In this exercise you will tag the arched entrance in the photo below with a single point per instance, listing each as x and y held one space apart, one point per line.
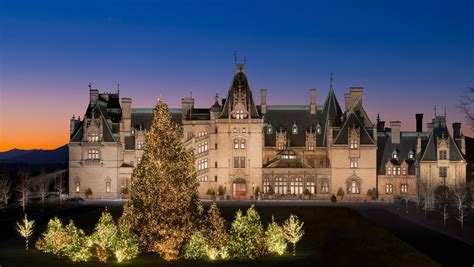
239 188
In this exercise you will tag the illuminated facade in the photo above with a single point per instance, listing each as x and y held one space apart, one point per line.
239 146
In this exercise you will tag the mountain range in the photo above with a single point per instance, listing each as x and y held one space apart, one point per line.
36 156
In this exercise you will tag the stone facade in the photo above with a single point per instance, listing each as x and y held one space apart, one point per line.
243 147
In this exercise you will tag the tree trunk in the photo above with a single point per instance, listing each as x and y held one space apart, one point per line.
294 249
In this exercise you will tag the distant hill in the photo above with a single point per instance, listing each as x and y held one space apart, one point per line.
36 156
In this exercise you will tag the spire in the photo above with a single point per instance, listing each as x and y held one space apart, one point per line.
331 83
216 98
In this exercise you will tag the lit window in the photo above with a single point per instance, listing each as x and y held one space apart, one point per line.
443 171
140 144
318 128
280 185
310 145
354 144
240 114
93 154
325 186
203 147
310 185
78 187
139 160
269 129
236 144
404 188
93 137
239 162
107 187
389 189
235 130
244 130
354 163
404 171
294 129
202 164
266 185
281 145
394 154
203 178
242 143
443 155
354 187
296 186
389 171
411 155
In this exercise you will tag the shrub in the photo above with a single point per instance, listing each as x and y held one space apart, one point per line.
270 192
54 239
126 244
246 235
88 192
333 199
257 190
210 192
125 191
275 238
293 231
369 193
196 249
306 192
103 237
340 192
221 190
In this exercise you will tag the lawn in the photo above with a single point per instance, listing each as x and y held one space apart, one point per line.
334 236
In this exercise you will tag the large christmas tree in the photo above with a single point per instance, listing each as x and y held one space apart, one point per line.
164 206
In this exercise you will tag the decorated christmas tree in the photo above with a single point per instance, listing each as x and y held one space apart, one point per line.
214 231
164 207
246 236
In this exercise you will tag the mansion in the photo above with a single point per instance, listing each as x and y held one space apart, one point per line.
288 149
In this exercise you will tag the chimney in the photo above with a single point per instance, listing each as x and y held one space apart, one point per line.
126 122
430 126
223 102
126 108
418 145
187 103
94 95
456 130
263 101
357 93
312 101
395 125
419 122
72 125
347 100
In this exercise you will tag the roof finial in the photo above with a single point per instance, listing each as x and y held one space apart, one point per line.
90 85
217 98
378 117
235 57
331 83
444 112
245 60
118 88
435 110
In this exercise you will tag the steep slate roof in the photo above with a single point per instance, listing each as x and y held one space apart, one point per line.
386 147
142 118
239 81
429 151
279 116
354 121
332 112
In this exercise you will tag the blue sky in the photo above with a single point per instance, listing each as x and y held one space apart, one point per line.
409 55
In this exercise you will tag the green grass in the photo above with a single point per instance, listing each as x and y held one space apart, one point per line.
334 236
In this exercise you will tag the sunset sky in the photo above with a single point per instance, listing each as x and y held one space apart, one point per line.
408 56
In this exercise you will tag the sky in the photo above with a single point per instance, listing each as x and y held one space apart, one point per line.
408 55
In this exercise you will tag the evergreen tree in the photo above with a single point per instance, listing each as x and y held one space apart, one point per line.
76 248
126 246
246 235
197 248
25 229
275 238
214 230
164 206
105 233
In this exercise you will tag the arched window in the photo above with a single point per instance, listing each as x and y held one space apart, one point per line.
318 128
294 128
280 185
266 184
324 186
395 154
311 186
353 185
411 155
388 189
269 129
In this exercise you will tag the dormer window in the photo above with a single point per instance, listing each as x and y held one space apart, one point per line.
269 129
354 144
411 155
140 144
294 128
395 154
132 131
93 137
443 155
93 154
318 128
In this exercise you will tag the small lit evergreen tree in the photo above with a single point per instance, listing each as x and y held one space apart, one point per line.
197 248
246 235
25 229
126 245
54 239
275 238
164 207
76 248
214 231
293 229
104 235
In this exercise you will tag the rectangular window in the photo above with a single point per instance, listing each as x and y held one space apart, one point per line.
310 186
78 187
388 189
215 164
203 147
443 155
242 162
443 171
266 186
139 160
354 144
140 144
215 145
404 188
311 146
93 137
236 162
389 171
93 154
324 187
404 171
236 144
202 164
107 187
190 135
354 163
215 178
281 145
203 178
242 144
